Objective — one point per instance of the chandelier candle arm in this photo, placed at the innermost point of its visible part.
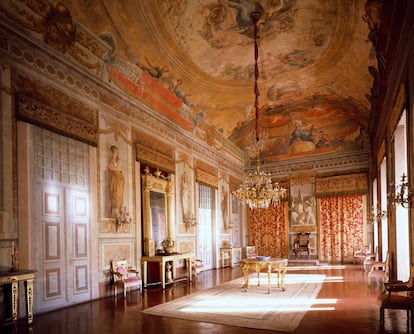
(122, 217)
(403, 195)
(189, 221)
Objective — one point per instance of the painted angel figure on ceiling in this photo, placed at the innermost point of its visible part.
(177, 90)
(301, 132)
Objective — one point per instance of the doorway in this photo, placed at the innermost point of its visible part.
(60, 242)
(205, 225)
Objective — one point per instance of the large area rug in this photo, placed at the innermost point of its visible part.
(230, 304)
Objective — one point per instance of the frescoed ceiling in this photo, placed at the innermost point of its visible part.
(314, 59)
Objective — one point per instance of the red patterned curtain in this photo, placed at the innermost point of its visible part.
(268, 230)
(341, 227)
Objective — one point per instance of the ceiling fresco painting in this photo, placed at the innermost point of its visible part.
(312, 127)
(194, 59)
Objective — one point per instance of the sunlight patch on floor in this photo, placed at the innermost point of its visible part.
(257, 305)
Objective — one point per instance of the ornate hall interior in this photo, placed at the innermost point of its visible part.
(194, 140)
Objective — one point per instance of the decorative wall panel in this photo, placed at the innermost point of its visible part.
(52, 241)
(80, 207)
(81, 278)
(53, 283)
(51, 202)
(81, 233)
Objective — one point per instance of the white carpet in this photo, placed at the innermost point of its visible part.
(229, 304)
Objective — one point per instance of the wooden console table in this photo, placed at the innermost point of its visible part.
(13, 278)
(230, 251)
(162, 260)
(274, 264)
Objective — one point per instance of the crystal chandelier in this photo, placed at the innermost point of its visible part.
(403, 195)
(376, 214)
(258, 191)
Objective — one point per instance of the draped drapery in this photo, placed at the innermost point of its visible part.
(268, 230)
(341, 227)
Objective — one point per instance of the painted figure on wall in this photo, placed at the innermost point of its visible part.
(224, 205)
(302, 210)
(185, 195)
(116, 182)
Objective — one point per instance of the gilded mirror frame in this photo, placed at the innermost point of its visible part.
(150, 184)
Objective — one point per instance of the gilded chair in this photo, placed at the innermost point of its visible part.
(124, 277)
(398, 296)
(302, 244)
(379, 272)
(251, 252)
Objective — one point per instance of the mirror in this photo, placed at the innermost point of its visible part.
(157, 209)
(158, 218)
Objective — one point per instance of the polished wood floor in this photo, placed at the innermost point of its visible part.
(355, 309)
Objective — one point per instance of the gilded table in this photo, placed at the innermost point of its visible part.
(274, 264)
(231, 251)
(13, 278)
(162, 260)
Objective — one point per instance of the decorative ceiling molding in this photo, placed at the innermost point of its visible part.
(206, 173)
(37, 113)
(154, 152)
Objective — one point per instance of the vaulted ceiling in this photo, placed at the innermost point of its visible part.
(314, 59)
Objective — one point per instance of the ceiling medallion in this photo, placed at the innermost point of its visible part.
(258, 191)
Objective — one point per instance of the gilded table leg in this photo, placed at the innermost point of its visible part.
(29, 299)
(278, 278)
(190, 268)
(145, 273)
(15, 296)
(163, 274)
(282, 279)
(246, 278)
(269, 271)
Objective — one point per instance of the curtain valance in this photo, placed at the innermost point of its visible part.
(350, 184)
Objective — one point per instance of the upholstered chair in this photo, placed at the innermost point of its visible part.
(302, 244)
(398, 296)
(361, 254)
(124, 277)
(379, 272)
(198, 267)
(251, 252)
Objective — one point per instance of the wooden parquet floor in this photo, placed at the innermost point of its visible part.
(345, 305)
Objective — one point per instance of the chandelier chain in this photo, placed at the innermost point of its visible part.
(258, 191)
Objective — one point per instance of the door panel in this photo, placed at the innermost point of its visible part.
(205, 237)
(60, 229)
(77, 255)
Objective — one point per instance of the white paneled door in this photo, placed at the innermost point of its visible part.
(60, 246)
(205, 237)
(205, 225)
